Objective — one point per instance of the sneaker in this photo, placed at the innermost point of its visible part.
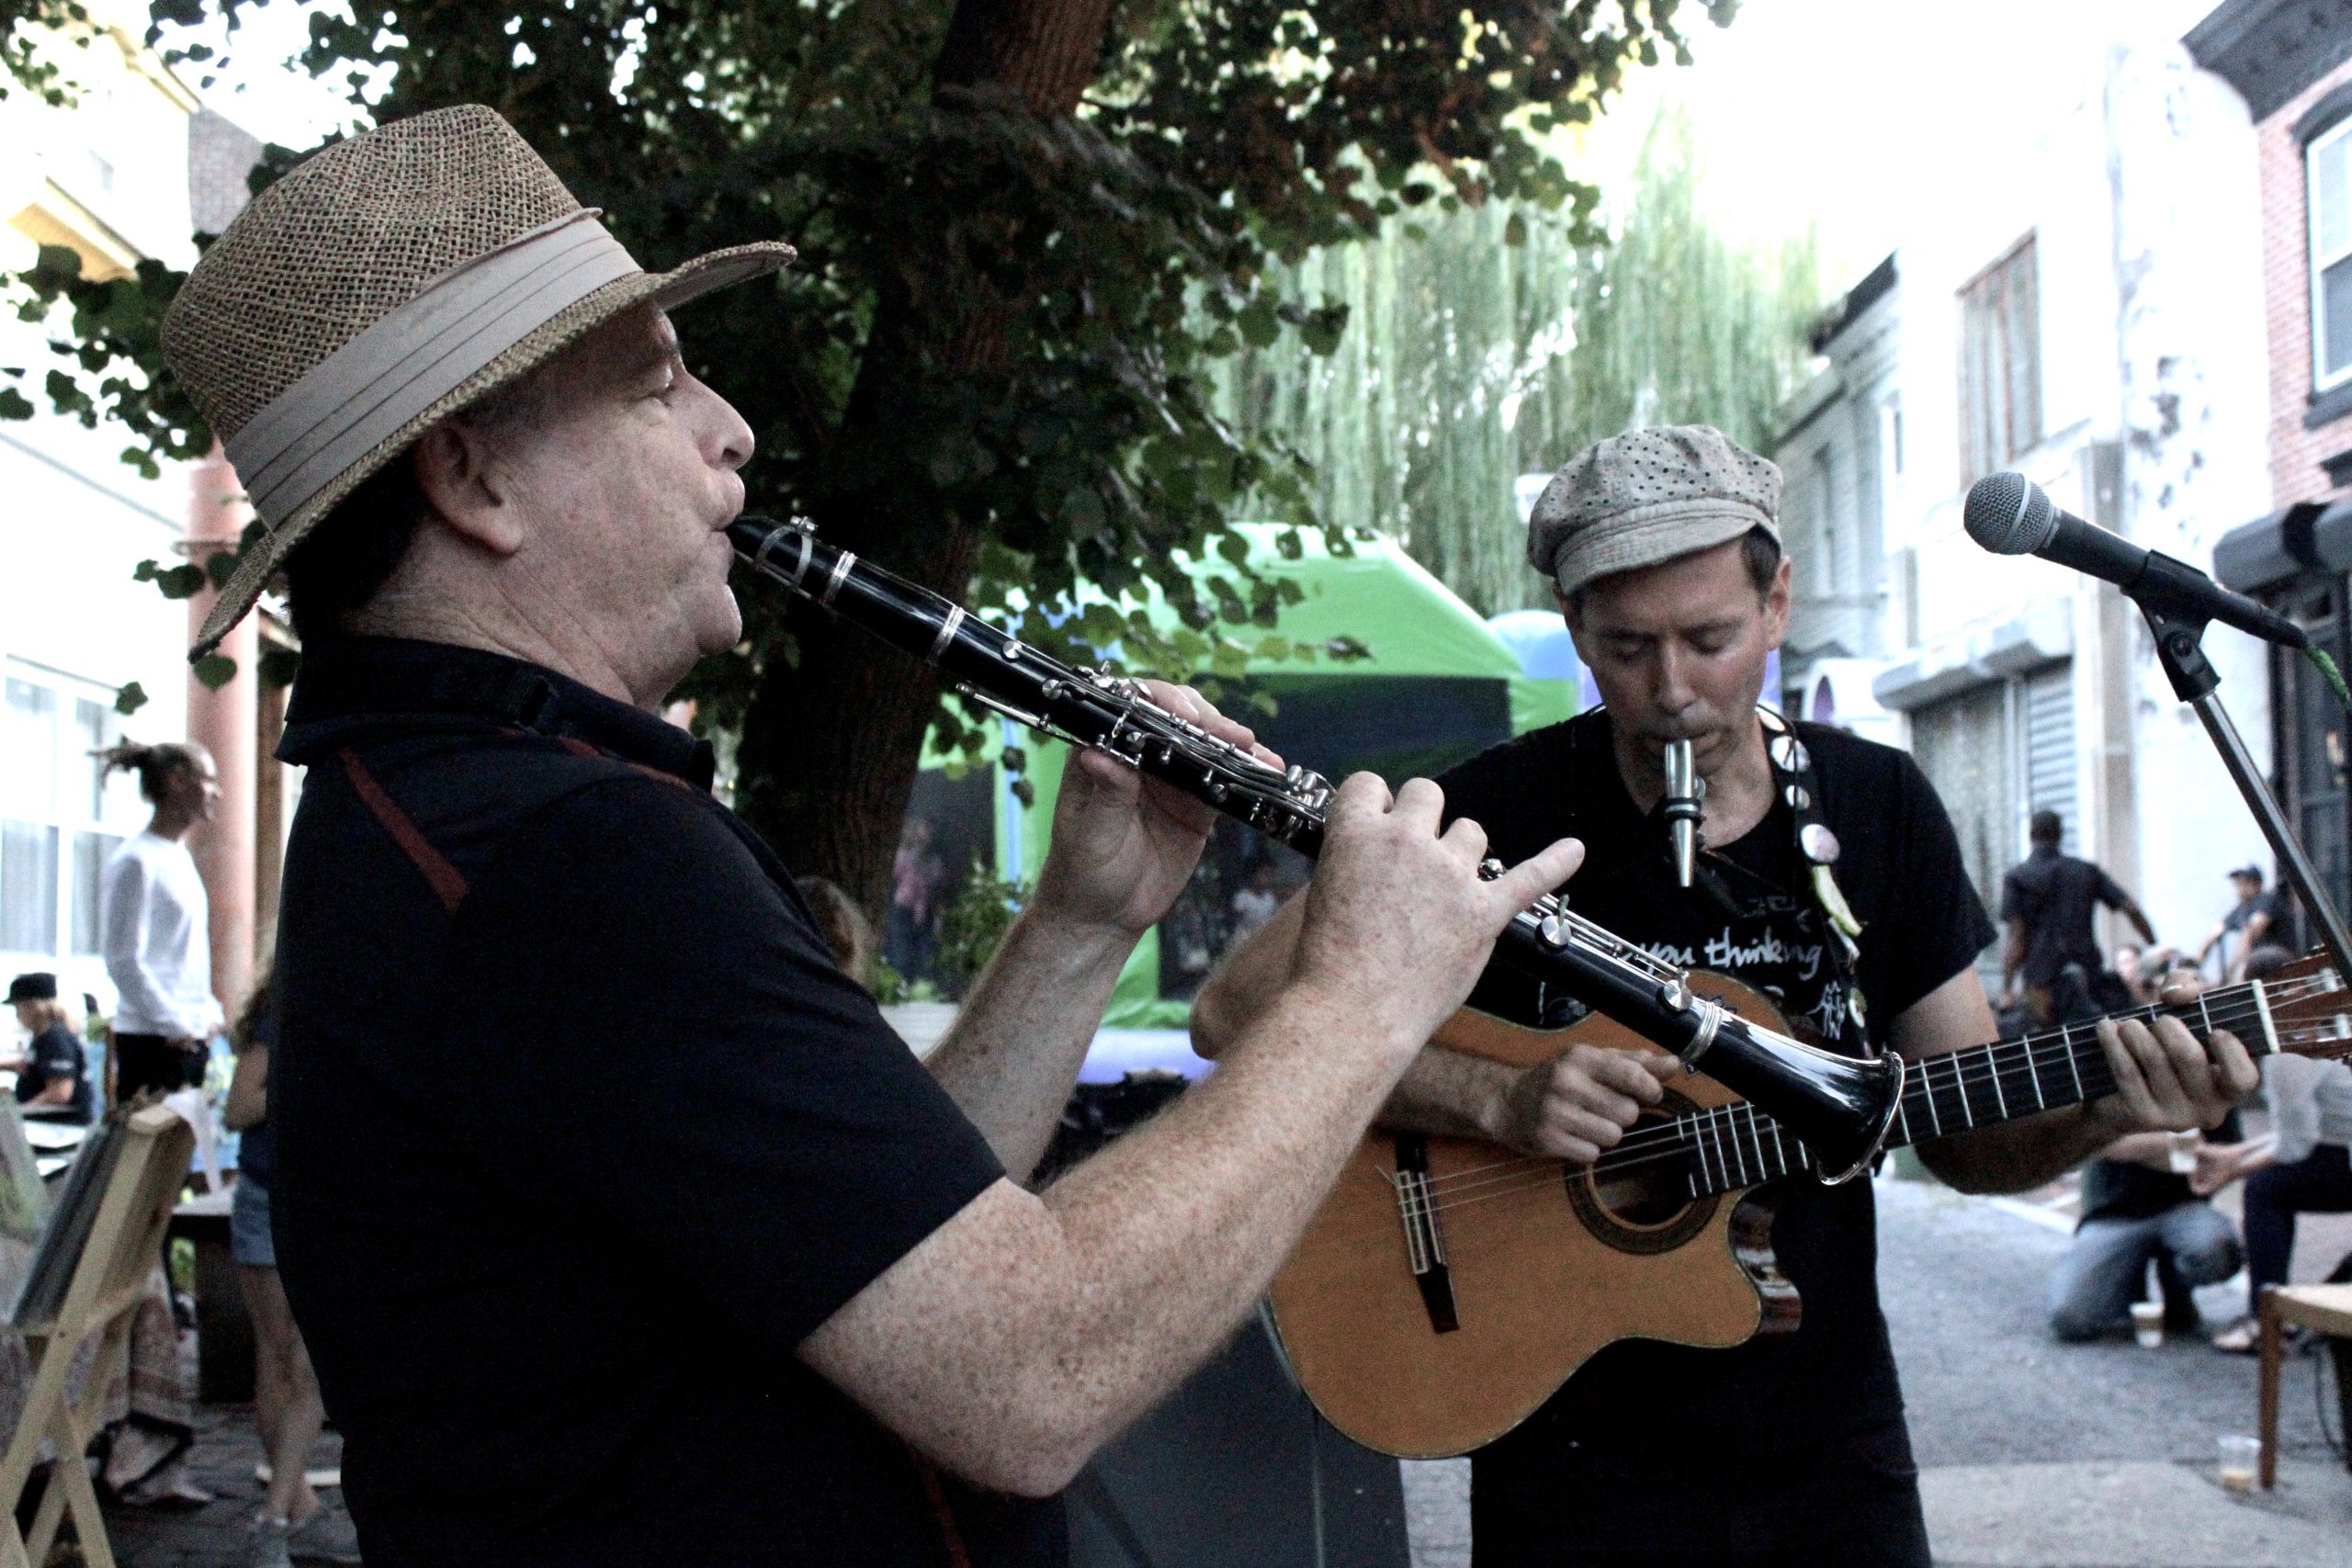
(267, 1544)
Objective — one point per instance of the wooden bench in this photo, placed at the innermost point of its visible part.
(2324, 1309)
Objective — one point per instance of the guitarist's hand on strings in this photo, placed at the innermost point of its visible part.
(1581, 1102)
(2165, 1080)
(1398, 925)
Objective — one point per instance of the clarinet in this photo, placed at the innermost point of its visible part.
(1840, 1106)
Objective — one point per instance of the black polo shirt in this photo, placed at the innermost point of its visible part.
(579, 1133)
(2055, 894)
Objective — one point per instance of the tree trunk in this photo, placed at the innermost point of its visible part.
(829, 748)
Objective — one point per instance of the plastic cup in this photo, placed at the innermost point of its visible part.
(2148, 1324)
(2240, 1456)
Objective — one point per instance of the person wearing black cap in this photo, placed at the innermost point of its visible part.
(52, 1072)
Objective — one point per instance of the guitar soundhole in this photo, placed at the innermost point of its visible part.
(1642, 1206)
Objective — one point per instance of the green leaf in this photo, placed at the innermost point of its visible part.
(279, 666)
(1259, 324)
(215, 670)
(130, 698)
(181, 581)
(1515, 231)
(14, 404)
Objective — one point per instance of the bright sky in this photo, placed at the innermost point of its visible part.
(1841, 111)
(1836, 112)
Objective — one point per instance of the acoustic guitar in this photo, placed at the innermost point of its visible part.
(1448, 1287)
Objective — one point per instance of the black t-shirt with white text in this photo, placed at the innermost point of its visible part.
(1922, 923)
(580, 1131)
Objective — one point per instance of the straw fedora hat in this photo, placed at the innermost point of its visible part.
(380, 287)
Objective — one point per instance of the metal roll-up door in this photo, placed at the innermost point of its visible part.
(2049, 725)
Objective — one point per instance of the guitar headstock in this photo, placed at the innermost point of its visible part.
(2311, 1008)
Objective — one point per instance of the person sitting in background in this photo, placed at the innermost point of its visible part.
(154, 926)
(2252, 919)
(2303, 1166)
(51, 1074)
(2137, 1205)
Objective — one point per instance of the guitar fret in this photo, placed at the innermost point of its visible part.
(1778, 1153)
(1927, 1083)
(2034, 1069)
(1967, 1111)
(2206, 1013)
(1903, 1120)
(1993, 1067)
(2066, 1040)
(1699, 1143)
(1715, 1126)
(1756, 1142)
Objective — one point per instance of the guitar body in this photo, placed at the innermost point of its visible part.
(1542, 1264)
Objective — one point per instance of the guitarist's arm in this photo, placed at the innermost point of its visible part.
(1570, 1108)
(2167, 1082)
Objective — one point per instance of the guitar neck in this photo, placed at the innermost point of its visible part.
(1735, 1146)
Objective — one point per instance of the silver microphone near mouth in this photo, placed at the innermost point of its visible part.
(1684, 790)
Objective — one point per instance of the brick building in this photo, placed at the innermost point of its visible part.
(2291, 60)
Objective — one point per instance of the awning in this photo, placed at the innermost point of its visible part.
(2310, 537)
(2041, 632)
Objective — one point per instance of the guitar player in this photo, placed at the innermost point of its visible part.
(1831, 881)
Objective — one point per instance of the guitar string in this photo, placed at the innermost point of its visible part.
(2041, 1047)
(1418, 1209)
(1684, 1141)
(1684, 1138)
(2053, 1047)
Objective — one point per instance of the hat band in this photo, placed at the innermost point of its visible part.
(357, 398)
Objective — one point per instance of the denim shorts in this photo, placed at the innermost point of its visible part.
(249, 1241)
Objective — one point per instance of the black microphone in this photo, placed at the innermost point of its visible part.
(2009, 515)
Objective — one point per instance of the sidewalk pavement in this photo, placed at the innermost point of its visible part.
(2035, 1454)
(215, 1536)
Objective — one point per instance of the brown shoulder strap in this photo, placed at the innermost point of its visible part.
(447, 882)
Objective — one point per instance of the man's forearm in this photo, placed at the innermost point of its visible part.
(1450, 1094)
(2017, 1156)
(1022, 1031)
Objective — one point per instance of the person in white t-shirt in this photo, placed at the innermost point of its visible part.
(154, 931)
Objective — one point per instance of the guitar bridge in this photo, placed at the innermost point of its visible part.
(1424, 1243)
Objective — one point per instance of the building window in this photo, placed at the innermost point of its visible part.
(60, 817)
(2000, 364)
(1825, 491)
(2328, 161)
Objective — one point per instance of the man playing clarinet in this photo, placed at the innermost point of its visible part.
(1831, 882)
(620, 1227)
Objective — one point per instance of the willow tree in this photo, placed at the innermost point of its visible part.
(1490, 340)
(1028, 228)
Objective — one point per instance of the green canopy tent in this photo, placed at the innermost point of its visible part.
(1434, 686)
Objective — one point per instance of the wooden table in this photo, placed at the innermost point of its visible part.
(224, 1329)
(2324, 1309)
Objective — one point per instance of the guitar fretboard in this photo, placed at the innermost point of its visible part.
(1735, 1146)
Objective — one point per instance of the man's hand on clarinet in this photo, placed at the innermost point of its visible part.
(2165, 1080)
(1398, 924)
(1124, 845)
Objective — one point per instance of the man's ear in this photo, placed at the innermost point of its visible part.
(469, 496)
(1777, 600)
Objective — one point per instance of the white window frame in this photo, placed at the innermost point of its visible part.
(118, 814)
(2321, 381)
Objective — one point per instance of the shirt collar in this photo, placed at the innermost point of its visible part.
(360, 684)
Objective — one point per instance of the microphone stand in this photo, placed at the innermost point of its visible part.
(2180, 649)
